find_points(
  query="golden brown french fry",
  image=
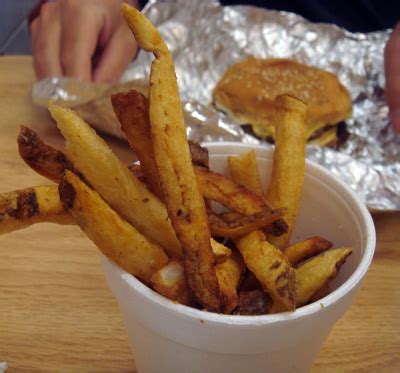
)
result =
(270, 267)
(170, 281)
(44, 159)
(51, 163)
(131, 109)
(254, 302)
(305, 249)
(22, 208)
(228, 193)
(114, 237)
(244, 171)
(242, 224)
(229, 273)
(220, 251)
(317, 272)
(184, 201)
(285, 188)
(113, 181)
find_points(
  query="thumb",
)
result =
(392, 75)
(117, 54)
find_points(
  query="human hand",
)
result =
(68, 34)
(392, 73)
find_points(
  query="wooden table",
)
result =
(57, 313)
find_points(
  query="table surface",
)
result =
(57, 313)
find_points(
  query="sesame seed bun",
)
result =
(248, 89)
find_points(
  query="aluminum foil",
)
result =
(205, 38)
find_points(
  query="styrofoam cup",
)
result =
(169, 337)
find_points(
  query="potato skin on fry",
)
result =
(132, 111)
(114, 237)
(227, 192)
(22, 208)
(43, 158)
(287, 177)
(270, 267)
(317, 272)
(184, 201)
(242, 224)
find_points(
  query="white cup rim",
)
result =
(188, 312)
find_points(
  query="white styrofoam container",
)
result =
(169, 337)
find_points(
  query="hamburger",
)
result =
(248, 89)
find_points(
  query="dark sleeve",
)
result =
(142, 3)
(354, 15)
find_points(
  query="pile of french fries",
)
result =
(157, 220)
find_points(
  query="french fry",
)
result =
(114, 237)
(228, 193)
(244, 171)
(184, 201)
(254, 302)
(317, 272)
(51, 163)
(170, 281)
(22, 208)
(44, 159)
(112, 180)
(220, 251)
(229, 273)
(132, 111)
(242, 224)
(287, 175)
(305, 249)
(270, 267)
(320, 293)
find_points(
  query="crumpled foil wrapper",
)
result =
(205, 38)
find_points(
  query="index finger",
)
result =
(392, 75)
(78, 43)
